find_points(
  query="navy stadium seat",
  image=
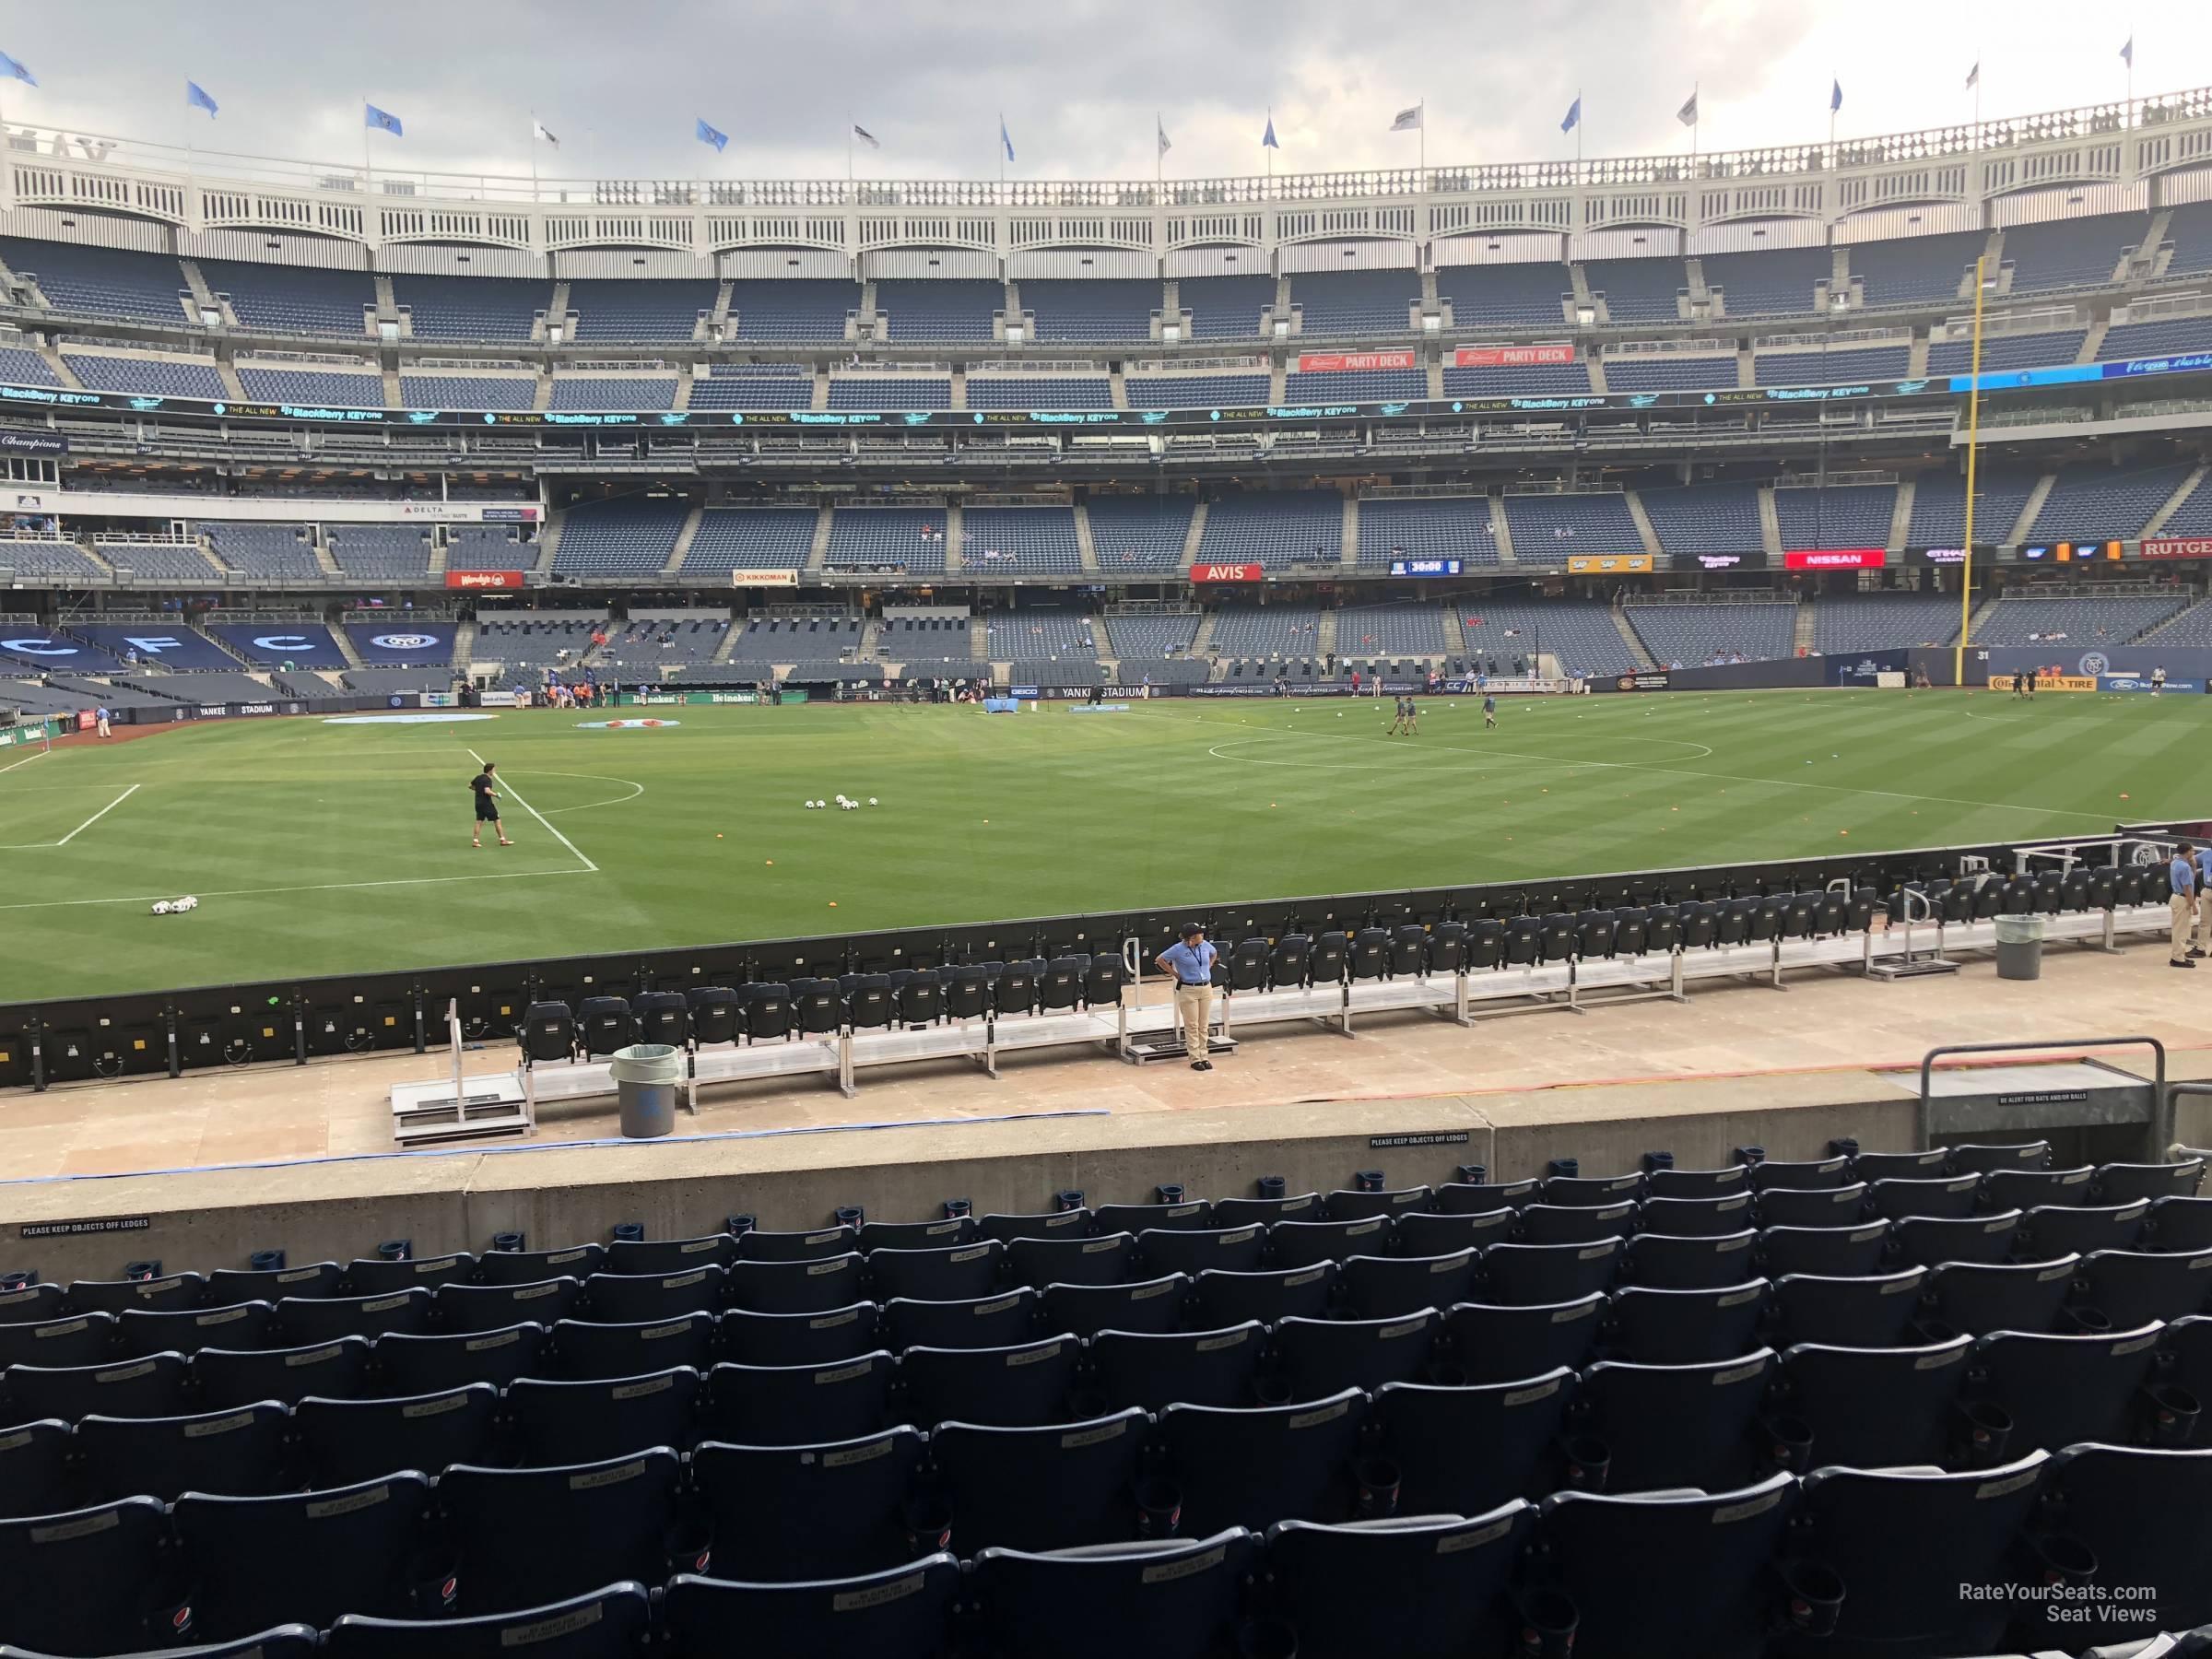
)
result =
(1875, 1408)
(1542, 1275)
(1009, 1387)
(1461, 1450)
(310, 1556)
(524, 1536)
(789, 1512)
(2141, 1512)
(589, 1351)
(1228, 1249)
(495, 1307)
(35, 1477)
(1679, 1327)
(1055, 1486)
(584, 1422)
(797, 1405)
(1004, 1320)
(238, 1452)
(1870, 1311)
(90, 1581)
(953, 1273)
(345, 1442)
(1438, 1581)
(1494, 1343)
(1226, 1298)
(900, 1612)
(303, 1320)
(1173, 1600)
(1196, 1368)
(1387, 1287)
(73, 1340)
(607, 1623)
(751, 1339)
(1976, 1297)
(153, 1387)
(1317, 1358)
(1678, 1425)
(640, 1298)
(1293, 1462)
(2061, 1390)
(422, 1365)
(1146, 1305)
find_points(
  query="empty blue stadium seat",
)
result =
(259, 549)
(1775, 282)
(1669, 370)
(1155, 633)
(1848, 622)
(145, 376)
(310, 386)
(158, 561)
(2165, 336)
(890, 393)
(751, 538)
(1426, 527)
(2006, 351)
(2095, 501)
(1939, 507)
(272, 299)
(1264, 630)
(1637, 291)
(1098, 311)
(382, 551)
(1849, 515)
(1039, 633)
(101, 282)
(1505, 294)
(754, 386)
(640, 308)
(1277, 530)
(1407, 629)
(1702, 518)
(793, 310)
(20, 366)
(1689, 634)
(2080, 624)
(1842, 366)
(1578, 633)
(467, 391)
(1197, 390)
(1139, 532)
(1038, 392)
(1917, 270)
(1548, 529)
(634, 535)
(613, 392)
(487, 547)
(471, 308)
(948, 308)
(1225, 307)
(1027, 539)
(2071, 253)
(908, 537)
(1355, 302)
(1361, 385)
(1517, 379)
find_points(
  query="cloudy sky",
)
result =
(1080, 80)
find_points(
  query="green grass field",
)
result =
(322, 848)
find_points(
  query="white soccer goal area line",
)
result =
(37, 846)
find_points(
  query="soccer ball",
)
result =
(850, 806)
(186, 903)
(873, 802)
(161, 907)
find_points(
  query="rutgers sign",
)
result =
(484, 579)
(2178, 546)
(1228, 572)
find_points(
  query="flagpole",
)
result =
(1270, 148)
(1159, 159)
(367, 167)
(1424, 136)
(1578, 135)
(534, 155)
(1696, 113)
(848, 155)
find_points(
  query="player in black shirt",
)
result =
(487, 808)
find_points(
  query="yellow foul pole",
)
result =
(1973, 433)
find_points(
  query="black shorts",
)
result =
(487, 810)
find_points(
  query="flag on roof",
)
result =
(2127, 53)
(16, 70)
(1835, 98)
(865, 136)
(1267, 138)
(384, 121)
(1973, 76)
(1408, 121)
(707, 134)
(1574, 115)
(1162, 134)
(195, 98)
(1005, 142)
(539, 130)
(1688, 113)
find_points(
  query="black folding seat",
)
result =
(1145, 1305)
(816, 1009)
(2060, 1230)
(228, 1286)
(1832, 911)
(1950, 1197)
(1560, 1224)
(584, 1422)
(1246, 965)
(1317, 1358)
(1423, 1234)
(800, 1338)
(1592, 1192)
(1980, 1297)
(495, 1307)
(1447, 950)
(917, 996)
(534, 1266)
(796, 1287)
(1696, 1217)
(303, 1320)
(1195, 1215)
(1663, 929)
(1667, 1263)
(1594, 930)
(2132, 1287)
(1460, 1450)
(1442, 1579)
(2028, 1189)
(1700, 922)
(1005, 1319)
(345, 1442)
(1494, 1343)
(1196, 1368)
(1052, 1487)
(1231, 1212)
(526, 1535)
(2141, 1511)
(238, 1452)
(1929, 1240)
(609, 1623)
(654, 1258)
(1102, 981)
(797, 1405)
(1224, 1298)
(2116, 1183)
(952, 1273)
(1056, 1224)
(73, 1340)
(604, 1024)
(35, 1475)
(1984, 1158)
(869, 1006)
(1303, 1243)
(1408, 952)
(1729, 1181)
(1873, 1408)
(310, 1556)
(2061, 1390)
(422, 1365)
(374, 1275)
(1524, 941)
(1631, 930)
(789, 1512)
(92, 1581)
(1013, 989)
(1683, 1327)
(1370, 954)
(1676, 1425)
(772, 1012)
(1475, 1197)
(2175, 1224)
(1827, 1252)
(1544, 1275)
(1931, 1165)
(334, 1370)
(1232, 1249)
(1041, 1262)
(1799, 915)
(1763, 914)
(1289, 961)
(1350, 1205)
(1390, 1286)
(1812, 1206)
(1173, 1600)
(31, 1304)
(1733, 919)
(1768, 1174)
(1663, 1575)
(1872, 1310)
(587, 1351)
(662, 1017)
(1008, 1387)
(1555, 936)
(967, 991)
(1292, 1462)
(1485, 943)
(818, 1245)
(712, 1015)
(1903, 1540)
(170, 1294)
(916, 1235)
(637, 1297)
(903, 1612)
(148, 1387)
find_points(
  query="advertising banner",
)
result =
(1229, 573)
(777, 579)
(1424, 567)
(1940, 556)
(1656, 680)
(1835, 559)
(1869, 668)
(1510, 357)
(1352, 362)
(2141, 682)
(1607, 564)
(467, 512)
(1717, 561)
(484, 579)
(33, 443)
(2177, 546)
(2047, 682)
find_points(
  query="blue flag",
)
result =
(1835, 98)
(2127, 54)
(1267, 138)
(383, 120)
(9, 67)
(195, 98)
(1003, 140)
(1574, 115)
(707, 134)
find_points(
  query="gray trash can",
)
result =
(2019, 947)
(646, 1075)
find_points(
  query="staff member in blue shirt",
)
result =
(2183, 907)
(2203, 911)
(1192, 964)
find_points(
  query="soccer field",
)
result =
(318, 848)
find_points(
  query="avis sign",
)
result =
(1228, 572)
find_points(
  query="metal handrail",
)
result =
(2161, 1117)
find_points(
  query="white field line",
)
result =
(26, 761)
(321, 887)
(37, 846)
(590, 867)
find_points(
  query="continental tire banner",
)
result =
(2046, 682)
(1607, 564)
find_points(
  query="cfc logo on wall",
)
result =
(2094, 662)
(404, 642)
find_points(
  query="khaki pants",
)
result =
(2183, 910)
(1193, 1011)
